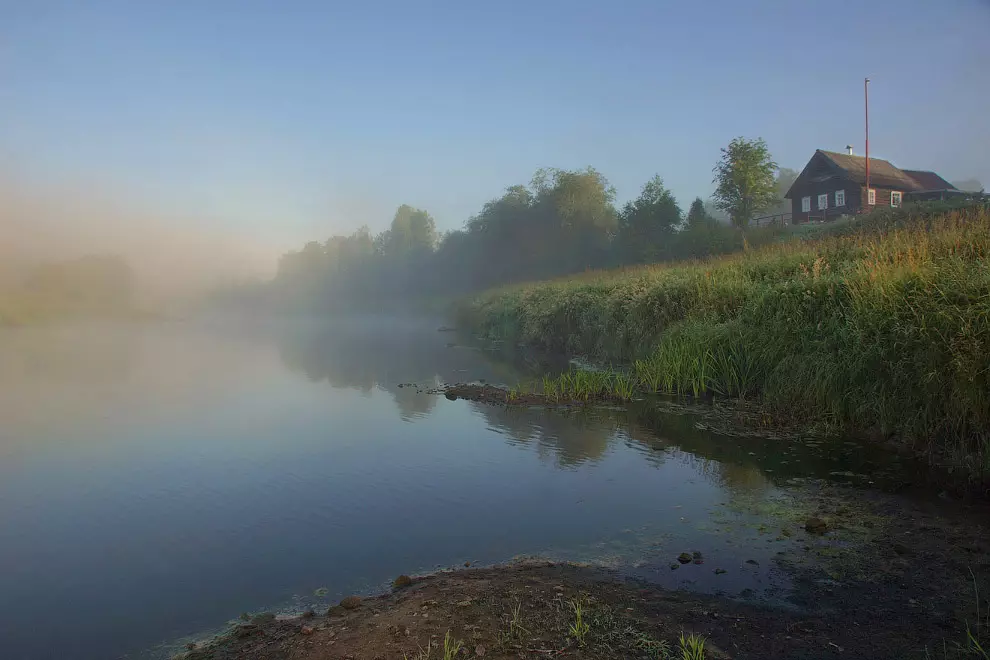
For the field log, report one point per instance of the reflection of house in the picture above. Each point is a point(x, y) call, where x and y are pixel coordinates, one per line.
point(834, 184)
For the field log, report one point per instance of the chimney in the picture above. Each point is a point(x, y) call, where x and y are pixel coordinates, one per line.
point(849, 149)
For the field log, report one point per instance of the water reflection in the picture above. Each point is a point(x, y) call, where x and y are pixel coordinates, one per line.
point(390, 354)
point(171, 476)
point(369, 354)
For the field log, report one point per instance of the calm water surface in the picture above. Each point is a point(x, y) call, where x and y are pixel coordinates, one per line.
point(157, 481)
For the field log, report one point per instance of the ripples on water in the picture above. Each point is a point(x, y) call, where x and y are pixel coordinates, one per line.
point(156, 481)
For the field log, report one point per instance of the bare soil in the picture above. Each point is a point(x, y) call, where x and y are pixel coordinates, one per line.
point(908, 593)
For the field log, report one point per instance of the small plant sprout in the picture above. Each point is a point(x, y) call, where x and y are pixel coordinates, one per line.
point(580, 628)
point(451, 646)
point(692, 647)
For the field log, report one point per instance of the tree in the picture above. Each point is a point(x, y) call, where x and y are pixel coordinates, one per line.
point(785, 179)
point(647, 223)
point(413, 231)
point(697, 215)
point(969, 185)
point(744, 179)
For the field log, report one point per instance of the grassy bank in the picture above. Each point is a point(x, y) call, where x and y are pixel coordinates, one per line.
point(880, 326)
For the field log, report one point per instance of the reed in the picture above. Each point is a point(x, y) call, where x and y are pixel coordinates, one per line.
point(880, 326)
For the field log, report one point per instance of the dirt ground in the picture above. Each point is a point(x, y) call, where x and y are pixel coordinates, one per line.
point(915, 604)
point(880, 577)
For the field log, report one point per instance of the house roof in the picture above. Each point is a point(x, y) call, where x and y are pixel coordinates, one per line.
point(882, 172)
point(929, 180)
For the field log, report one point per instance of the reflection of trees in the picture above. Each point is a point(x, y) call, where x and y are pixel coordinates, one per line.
point(412, 402)
point(572, 437)
point(386, 352)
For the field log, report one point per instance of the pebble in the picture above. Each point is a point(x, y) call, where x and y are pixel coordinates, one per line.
point(351, 603)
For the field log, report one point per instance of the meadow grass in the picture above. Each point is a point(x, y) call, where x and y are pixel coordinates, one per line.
point(880, 326)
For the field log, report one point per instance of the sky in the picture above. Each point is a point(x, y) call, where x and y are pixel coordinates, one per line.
point(294, 120)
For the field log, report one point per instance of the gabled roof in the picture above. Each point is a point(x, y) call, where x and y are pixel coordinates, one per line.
point(929, 180)
point(826, 165)
point(882, 173)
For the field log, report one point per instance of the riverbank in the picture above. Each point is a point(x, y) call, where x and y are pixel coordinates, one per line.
point(881, 328)
point(871, 577)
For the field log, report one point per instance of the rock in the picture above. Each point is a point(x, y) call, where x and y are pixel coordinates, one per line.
point(464, 603)
point(674, 566)
point(753, 562)
point(450, 396)
point(684, 558)
point(191, 646)
point(720, 571)
point(816, 525)
point(351, 603)
point(306, 630)
point(263, 618)
point(401, 582)
point(246, 630)
point(697, 558)
point(479, 650)
point(308, 614)
point(467, 564)
point(558, 588)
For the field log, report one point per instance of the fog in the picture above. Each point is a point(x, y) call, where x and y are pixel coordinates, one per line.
point(175, 259)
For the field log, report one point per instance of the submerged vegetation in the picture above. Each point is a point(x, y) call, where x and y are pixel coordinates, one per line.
point(880, 326)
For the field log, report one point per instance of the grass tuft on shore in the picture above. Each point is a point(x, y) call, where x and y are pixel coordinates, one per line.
point(880, 326)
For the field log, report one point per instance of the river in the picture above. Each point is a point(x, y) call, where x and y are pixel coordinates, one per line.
point(158, 480)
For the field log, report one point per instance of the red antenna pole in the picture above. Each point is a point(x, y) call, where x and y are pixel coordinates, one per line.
point(866, 97)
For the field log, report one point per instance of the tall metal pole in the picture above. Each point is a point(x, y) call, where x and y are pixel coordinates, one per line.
point(866, 97)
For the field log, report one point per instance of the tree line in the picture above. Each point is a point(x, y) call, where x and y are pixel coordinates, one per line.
point(562, 222)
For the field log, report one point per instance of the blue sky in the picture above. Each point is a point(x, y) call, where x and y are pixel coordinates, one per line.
point(298, 119)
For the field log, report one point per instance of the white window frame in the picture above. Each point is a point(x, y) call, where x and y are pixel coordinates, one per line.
point(806, 204)
point(823, 202)
point(840, 197)
point(871, 197)
point(896, 194)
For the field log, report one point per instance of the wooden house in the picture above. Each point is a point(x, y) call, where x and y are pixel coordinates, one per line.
point(834, 184)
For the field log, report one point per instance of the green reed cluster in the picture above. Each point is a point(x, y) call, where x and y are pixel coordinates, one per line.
point(880, 326)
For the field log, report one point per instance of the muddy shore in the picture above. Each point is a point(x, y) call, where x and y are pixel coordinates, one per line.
point(869, 581)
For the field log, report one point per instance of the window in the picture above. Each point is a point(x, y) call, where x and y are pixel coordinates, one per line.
point(823, 202)
point(805, 204)
point(840, 197)
point(895, 198)
point(871, 197)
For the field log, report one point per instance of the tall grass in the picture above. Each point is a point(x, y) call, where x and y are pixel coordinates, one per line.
point(881, 326)
point(587, 385)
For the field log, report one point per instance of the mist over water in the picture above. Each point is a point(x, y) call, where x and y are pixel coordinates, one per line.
point(158, 480)
point(176, 258)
